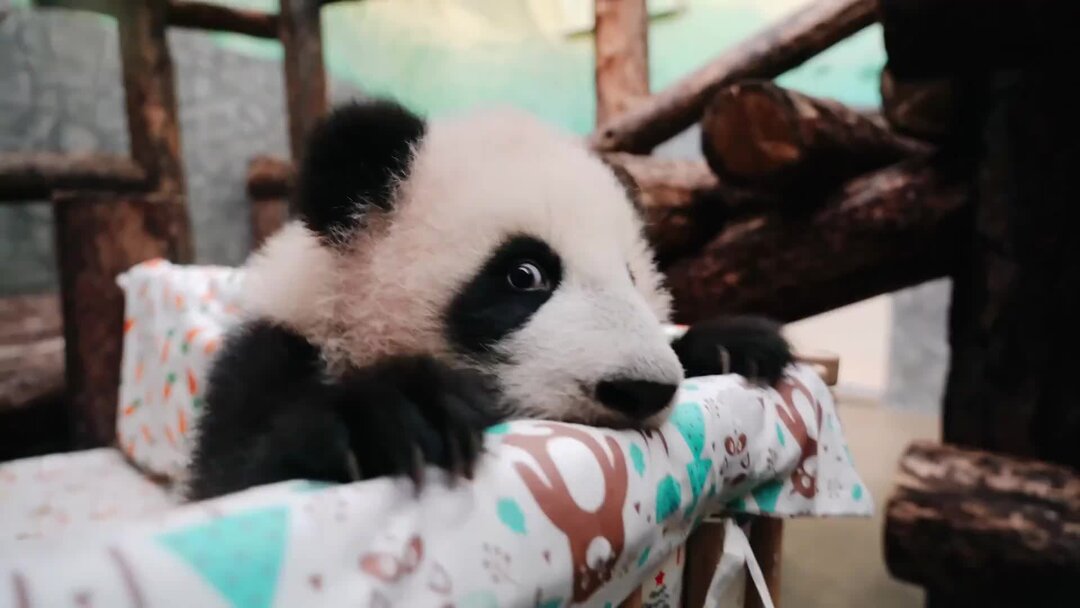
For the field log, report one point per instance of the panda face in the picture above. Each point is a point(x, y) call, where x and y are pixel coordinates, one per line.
point(500, 245)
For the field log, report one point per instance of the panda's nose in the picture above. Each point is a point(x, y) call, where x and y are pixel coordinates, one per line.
point(635, 398)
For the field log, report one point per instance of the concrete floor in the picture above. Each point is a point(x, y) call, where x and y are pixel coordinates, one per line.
point(838, 563)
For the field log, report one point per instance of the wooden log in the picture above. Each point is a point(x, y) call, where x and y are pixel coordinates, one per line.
point(890, 229)
point(923, 108)
point(768, 54)
point(98, 236)
point(150, 96)
point(31, 351)
point(219, 18)
point(300, 30)
point(682, 202)
point(621, 40)
point(758, 134)
point(972, 525)
point(269, 177)
point(1013, 326)
point(32, 176)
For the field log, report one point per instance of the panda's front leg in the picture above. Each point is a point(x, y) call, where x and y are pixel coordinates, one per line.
point(406, 412)
point(751, 346)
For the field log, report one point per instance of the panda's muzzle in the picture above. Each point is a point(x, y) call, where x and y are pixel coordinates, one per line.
point(637, 399)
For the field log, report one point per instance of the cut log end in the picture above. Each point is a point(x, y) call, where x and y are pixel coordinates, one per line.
point(968, 523)
point(750, 133)
point(757, 134)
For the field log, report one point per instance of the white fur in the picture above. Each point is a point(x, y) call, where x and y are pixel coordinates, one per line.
point(474, 181)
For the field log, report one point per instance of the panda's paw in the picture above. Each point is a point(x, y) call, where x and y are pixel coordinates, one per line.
point(409, 412)
point(750, 346)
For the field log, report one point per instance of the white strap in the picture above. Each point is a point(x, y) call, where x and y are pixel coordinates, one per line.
point(737, 553)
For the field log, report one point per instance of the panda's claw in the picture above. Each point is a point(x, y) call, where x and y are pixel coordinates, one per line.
point(409, 412)
point(753, 347)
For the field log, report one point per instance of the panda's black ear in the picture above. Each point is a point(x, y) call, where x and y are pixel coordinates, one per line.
point(353, 158)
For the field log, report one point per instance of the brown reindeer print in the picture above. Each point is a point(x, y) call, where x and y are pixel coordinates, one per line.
point(596, 537)
point(804, 482)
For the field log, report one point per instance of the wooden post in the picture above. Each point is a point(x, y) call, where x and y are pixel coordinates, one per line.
point(772, 52)
point(766, 540)
point(149, 92)
point(220, 18)
point(621, 39)
point(98, 236)
point(305, 76)
point(703, 550)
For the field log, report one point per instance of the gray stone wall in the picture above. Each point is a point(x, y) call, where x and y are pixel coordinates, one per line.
point(60, 91)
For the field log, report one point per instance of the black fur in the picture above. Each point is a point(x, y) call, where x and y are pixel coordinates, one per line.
point(754, 348)
point(272, 414)
point(488, 308)
point(351, 162)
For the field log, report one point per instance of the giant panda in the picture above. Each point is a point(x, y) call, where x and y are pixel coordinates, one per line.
point(441, 277)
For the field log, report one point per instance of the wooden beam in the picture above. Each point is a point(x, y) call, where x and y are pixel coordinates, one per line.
point(33, 176)
point(269, 185)
point(969, 524)
point(219, 18)
point(300, 30)
point(31, 351)
point(98, 236)
point(150, 95)
point(897, 227)
point(770, 53)
point(761, 135)
point(621, 43)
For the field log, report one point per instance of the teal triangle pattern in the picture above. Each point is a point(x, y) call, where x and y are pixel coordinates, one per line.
point(766, 495)
point(240, 555)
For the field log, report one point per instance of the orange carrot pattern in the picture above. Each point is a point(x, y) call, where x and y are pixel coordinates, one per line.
point(147, 434)
point(169, 435)
point(128, 324)
point(192, 383)
point(182, 422)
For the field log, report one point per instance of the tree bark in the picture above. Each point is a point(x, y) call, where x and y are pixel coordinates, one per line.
point(923, 108)
point(768, 54)
point(681, 201)
point(150, 96)
point(1013, 323)
point(758, 134)
point(622, 56)
point(973, 525)
point(98, 236)
point(305, 76)
point(33, 176)
point(218, 18)
point(890, 229)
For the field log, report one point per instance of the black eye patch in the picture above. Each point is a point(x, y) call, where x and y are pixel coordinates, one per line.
point(493, 303)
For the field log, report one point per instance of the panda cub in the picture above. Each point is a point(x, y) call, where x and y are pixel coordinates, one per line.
point(440, 278)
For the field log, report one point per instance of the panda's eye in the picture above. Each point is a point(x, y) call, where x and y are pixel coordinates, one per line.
point(527, 276)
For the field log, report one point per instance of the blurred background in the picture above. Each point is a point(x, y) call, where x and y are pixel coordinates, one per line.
point(62, 92)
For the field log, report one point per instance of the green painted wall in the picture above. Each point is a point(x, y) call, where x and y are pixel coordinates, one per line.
point(439, 56)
